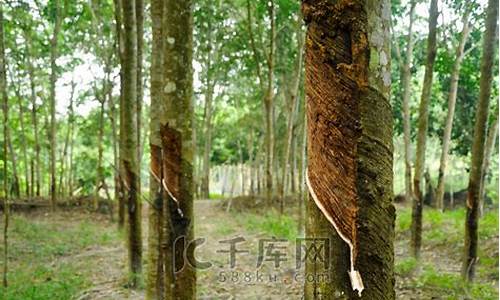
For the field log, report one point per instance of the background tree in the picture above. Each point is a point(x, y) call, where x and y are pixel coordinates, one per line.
point(472, 204)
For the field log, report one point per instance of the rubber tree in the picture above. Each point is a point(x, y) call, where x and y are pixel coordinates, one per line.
point(490, 40)
point(154, 278)
point(5, 108)
point(452, 99)
point(128, 142)
point(176, 126)
point(349, 148)
point(423, 124)
point(405, 68)
point(52, 98)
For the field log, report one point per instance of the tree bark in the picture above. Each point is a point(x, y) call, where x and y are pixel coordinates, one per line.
point(5, 106)
point(139, 9)
point(128, 137)
point(120, 41)
point(53, 79)
point(22, 138)
point(452, 97)
point(423, 124)
point(349, 119)
point(490, 40)
point(155, 288)
point(291, 113)
point(489, 148)
point(34, 117)
point(176, 132)
point(406, 82)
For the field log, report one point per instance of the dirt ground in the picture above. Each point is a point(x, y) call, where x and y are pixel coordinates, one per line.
point(105, 266)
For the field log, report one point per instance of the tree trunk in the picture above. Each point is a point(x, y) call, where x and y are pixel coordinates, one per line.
point(406, 81)
point(205, 181)
point(120, 41)
point(53, 80)
point(5, 106)
point(452, 97)
point(139, 10)
point(489, 147)
point(155, 289)
point(66, 141)
point(251, 162)
point(100, 149)
point(423, 124)
point(22, 138)
point(291, 113)
point(302, 175)
point(350, 149)
point(128, 137)
point(176, 132)
point(15, 189)
point(34, 117)
point(477, 156)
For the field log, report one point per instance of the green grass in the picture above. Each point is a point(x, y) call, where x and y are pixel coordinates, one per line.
point(272, 224)
point(215, 196)
point(37, 267)
point(451, 286)
point(406, 266)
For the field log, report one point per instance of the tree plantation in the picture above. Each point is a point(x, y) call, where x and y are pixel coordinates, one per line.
point(237, 149)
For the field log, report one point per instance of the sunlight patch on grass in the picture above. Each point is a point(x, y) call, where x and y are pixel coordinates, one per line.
point(272, 224)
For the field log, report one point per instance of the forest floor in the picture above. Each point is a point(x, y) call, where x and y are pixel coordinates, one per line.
point(77, 255)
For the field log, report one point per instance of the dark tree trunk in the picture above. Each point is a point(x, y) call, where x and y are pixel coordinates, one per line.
point(423, 124)
point(349, 119)
point(490, 39)
point(128, 137)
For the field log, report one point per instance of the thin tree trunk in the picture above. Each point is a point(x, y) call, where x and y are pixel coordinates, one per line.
point(350, 149)
point(155, 288)
point(5, 104)
point(452, 97)
point(490, 41)
point(34, 117)
point(120, 41)
point(100, 149)
point(406, 82)
point(251, 162)
point(139, 10)
point(16, 192)
point(66, 141)
point(128, 137)
point(423, 124)
point(205, 181)
point(303, 167)
point(242, 168)
point(176, 132)
point(489, 147)
point(292, 112)
point(22, 138)
point(53, 80)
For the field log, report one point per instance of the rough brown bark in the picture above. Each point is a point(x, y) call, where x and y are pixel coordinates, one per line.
point(350, 148)
point(423, 124)
point(176, 132)
point(490, 39)
point(53, 78)
point(452, 97)
point(128, 146)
